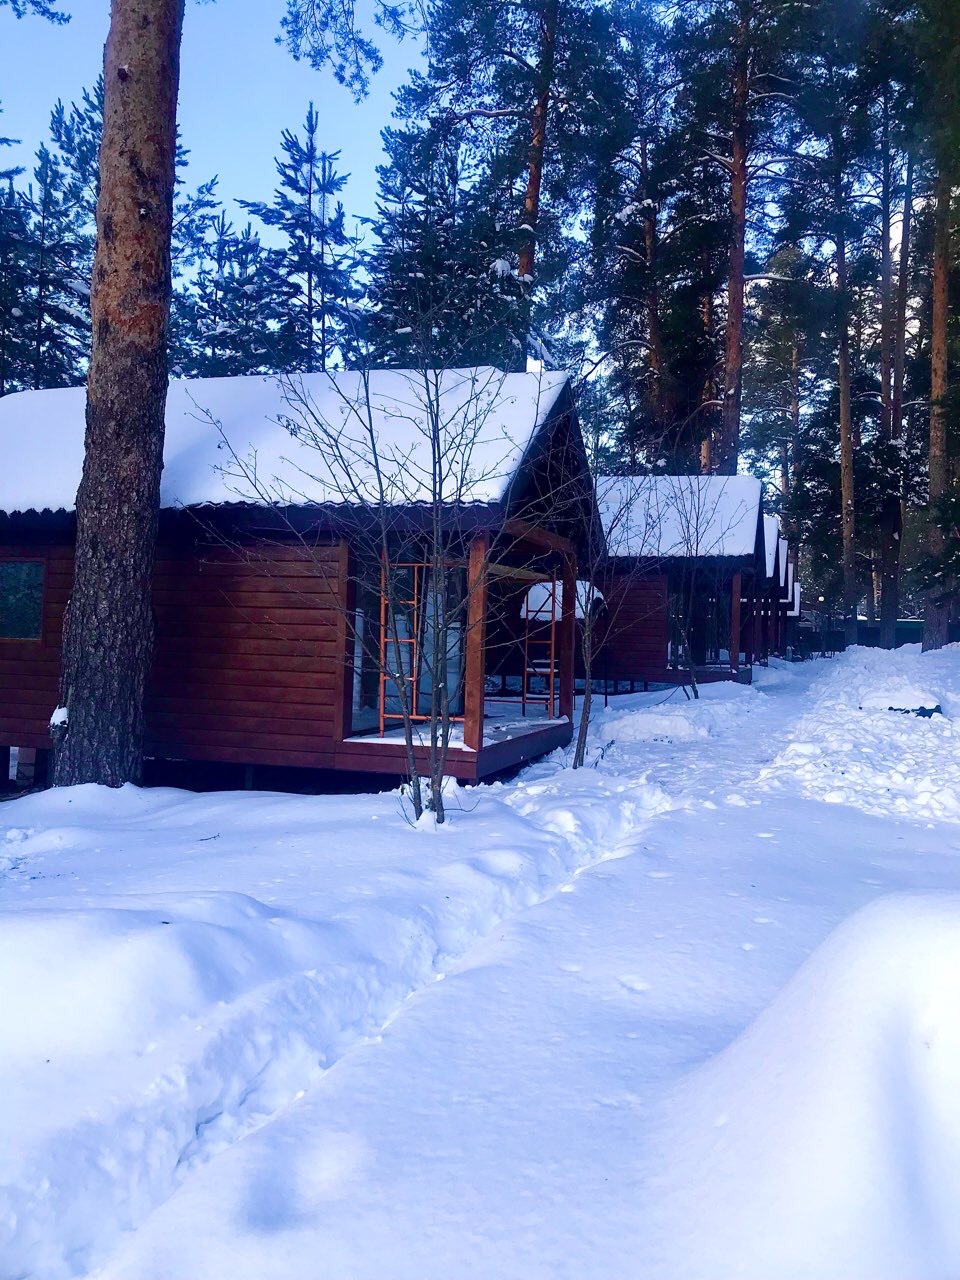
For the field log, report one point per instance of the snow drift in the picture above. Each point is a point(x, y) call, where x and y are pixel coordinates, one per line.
point(858, 747)
point(825, 1142)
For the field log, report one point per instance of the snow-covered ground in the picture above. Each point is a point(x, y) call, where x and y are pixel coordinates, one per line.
point(227, 1050)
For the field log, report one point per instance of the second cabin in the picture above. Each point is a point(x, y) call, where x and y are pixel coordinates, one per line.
point(691, 591)
point(313, 530)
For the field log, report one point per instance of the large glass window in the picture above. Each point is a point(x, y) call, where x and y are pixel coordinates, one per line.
point(365, 716)
point(423, 647)
point(21, 599)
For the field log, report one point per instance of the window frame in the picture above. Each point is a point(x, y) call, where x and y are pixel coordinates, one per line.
point(7, 557)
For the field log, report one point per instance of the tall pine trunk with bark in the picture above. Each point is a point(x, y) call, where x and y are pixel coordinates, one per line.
point(546, 62)
point(936, 614)
point(728, 446)
point(108, 630)
point(891, 514)
point(844, 388)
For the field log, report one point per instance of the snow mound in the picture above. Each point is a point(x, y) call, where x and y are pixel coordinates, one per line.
point(672, 717)
point(857, 747)
point(825, 1142)
point(899, 695)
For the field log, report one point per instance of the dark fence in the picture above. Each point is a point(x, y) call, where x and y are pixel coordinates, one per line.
point(814, 639)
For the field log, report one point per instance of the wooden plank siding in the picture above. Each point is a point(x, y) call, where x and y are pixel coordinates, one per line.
point(251, 665)
point(248, 664)
point(30, 669)
point(249, 654)
point(635, 644)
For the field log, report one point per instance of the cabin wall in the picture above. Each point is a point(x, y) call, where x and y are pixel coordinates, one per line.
point(30, 669)
point(248, 665)
point(249, 660)
point(637, 628)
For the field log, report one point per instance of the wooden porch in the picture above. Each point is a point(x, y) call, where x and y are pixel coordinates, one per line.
point(531, 713)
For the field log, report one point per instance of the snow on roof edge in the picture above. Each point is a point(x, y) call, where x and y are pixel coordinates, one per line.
point(253, 440)
point(680, 516)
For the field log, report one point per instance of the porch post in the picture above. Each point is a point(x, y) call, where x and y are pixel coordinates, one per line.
point(568, 635)
point(764, 627)
point(4, 768)
point(474, 675)
point(735, 623)
point(346, 622)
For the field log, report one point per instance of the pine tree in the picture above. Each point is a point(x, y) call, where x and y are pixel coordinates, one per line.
point(41, 8)
point(108, 630)
point(227, 318)
point(14, 288)
point(734, 58)
point(318, 254)
point(56, 300)
point(826, 205)
point(13, 171)
point(939, 43)
point(75, 137)
point(442, 290)
point(525, 84)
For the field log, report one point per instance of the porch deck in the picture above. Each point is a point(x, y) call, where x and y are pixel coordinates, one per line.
point(509, 739)
point(644, 676)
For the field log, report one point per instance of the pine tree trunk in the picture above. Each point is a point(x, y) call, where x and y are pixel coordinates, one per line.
point(788, 460)
point(549, 16)
point(886, 273)
point(891, 514)
point(727, 452)
point(850, 592)
point(108, 632)
point(657, 354)
point(309, 255)
point(708, 394)
point(41, 296)
point(936, 614)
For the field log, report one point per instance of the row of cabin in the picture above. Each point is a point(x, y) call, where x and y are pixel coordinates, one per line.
point(339, 551)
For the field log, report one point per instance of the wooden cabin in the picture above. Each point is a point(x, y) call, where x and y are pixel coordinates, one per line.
point(686, 570)
point(298, 548)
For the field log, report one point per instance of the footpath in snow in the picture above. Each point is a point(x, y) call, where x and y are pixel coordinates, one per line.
point(178, 967)
point(228, 1050)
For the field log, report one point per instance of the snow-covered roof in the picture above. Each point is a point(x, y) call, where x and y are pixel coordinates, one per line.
point(771, 536)
point(543, 600)
point(784, 561)
point(303, 439)
point(788, 581)
point(679, 516)
point(794, 609)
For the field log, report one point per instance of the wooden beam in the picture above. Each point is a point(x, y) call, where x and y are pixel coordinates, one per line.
point(568, 635)
point(518, 575)
point(343, 689)
point(475, 664)
point(735, 623)
point(537, 537)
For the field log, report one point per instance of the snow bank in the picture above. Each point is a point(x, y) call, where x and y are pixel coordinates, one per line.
point(673, 716)
point(825, 1142)
point(150, 1020)
point(862, 744)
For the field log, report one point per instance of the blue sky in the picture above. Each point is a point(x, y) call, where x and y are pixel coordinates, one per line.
point(238, 91)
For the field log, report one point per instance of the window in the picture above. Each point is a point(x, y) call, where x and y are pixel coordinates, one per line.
point(366, 661)
point(21, 599)
point(416, 646)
